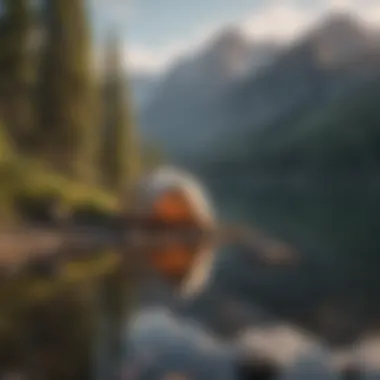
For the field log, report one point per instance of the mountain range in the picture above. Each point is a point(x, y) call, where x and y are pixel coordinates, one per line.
point(234, 86)
point(191, 88)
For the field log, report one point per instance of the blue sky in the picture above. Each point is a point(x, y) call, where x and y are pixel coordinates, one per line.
point(156, 32)
point(153, 22)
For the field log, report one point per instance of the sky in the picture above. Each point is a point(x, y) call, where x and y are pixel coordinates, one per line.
point(156, 32)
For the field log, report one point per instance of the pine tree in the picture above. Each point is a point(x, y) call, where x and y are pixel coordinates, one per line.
point(66, 130)
point(120, 151)
point(16, 69)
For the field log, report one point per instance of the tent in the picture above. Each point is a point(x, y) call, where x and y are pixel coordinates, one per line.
point(174, 196)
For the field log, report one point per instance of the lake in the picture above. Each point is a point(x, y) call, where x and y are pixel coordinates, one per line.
point(333, 223)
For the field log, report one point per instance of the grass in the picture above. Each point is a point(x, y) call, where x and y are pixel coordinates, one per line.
point(23, 178)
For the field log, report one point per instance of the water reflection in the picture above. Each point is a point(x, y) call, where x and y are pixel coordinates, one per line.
point(161, 343)
point(332, 292)
point(171, 345)
point(333, 223)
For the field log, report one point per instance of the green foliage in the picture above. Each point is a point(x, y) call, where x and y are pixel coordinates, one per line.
point(66, 125)
point(48, 159)
point(16, 70)
point(27, 179)
point(6, 150)
point(14, 42)
point(119, 145)
point(7, 155)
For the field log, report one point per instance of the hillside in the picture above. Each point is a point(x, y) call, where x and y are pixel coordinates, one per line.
point(342, 136)
point(329, 136)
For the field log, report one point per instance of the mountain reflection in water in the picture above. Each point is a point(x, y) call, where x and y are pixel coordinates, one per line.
point(160, 343)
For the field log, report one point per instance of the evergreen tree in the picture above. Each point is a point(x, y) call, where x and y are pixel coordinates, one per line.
point(120, 151)
point(66, 130)
point(16, 69)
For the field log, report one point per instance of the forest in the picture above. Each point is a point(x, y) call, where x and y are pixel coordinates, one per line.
point(69, 150)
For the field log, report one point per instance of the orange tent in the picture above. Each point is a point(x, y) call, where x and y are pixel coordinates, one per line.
point(177, 198)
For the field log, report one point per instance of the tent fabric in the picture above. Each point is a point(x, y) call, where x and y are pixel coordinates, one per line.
point(185, 264)
point(165, 179)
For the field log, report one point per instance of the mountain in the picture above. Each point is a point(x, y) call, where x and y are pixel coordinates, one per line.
point(332, 60)
point(176, 115)
point(208, 102)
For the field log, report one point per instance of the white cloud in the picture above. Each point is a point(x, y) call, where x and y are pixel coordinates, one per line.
point(140, 58)
point(116, 15)
point(285, 20)
point(279, 19)
point(143, 59)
